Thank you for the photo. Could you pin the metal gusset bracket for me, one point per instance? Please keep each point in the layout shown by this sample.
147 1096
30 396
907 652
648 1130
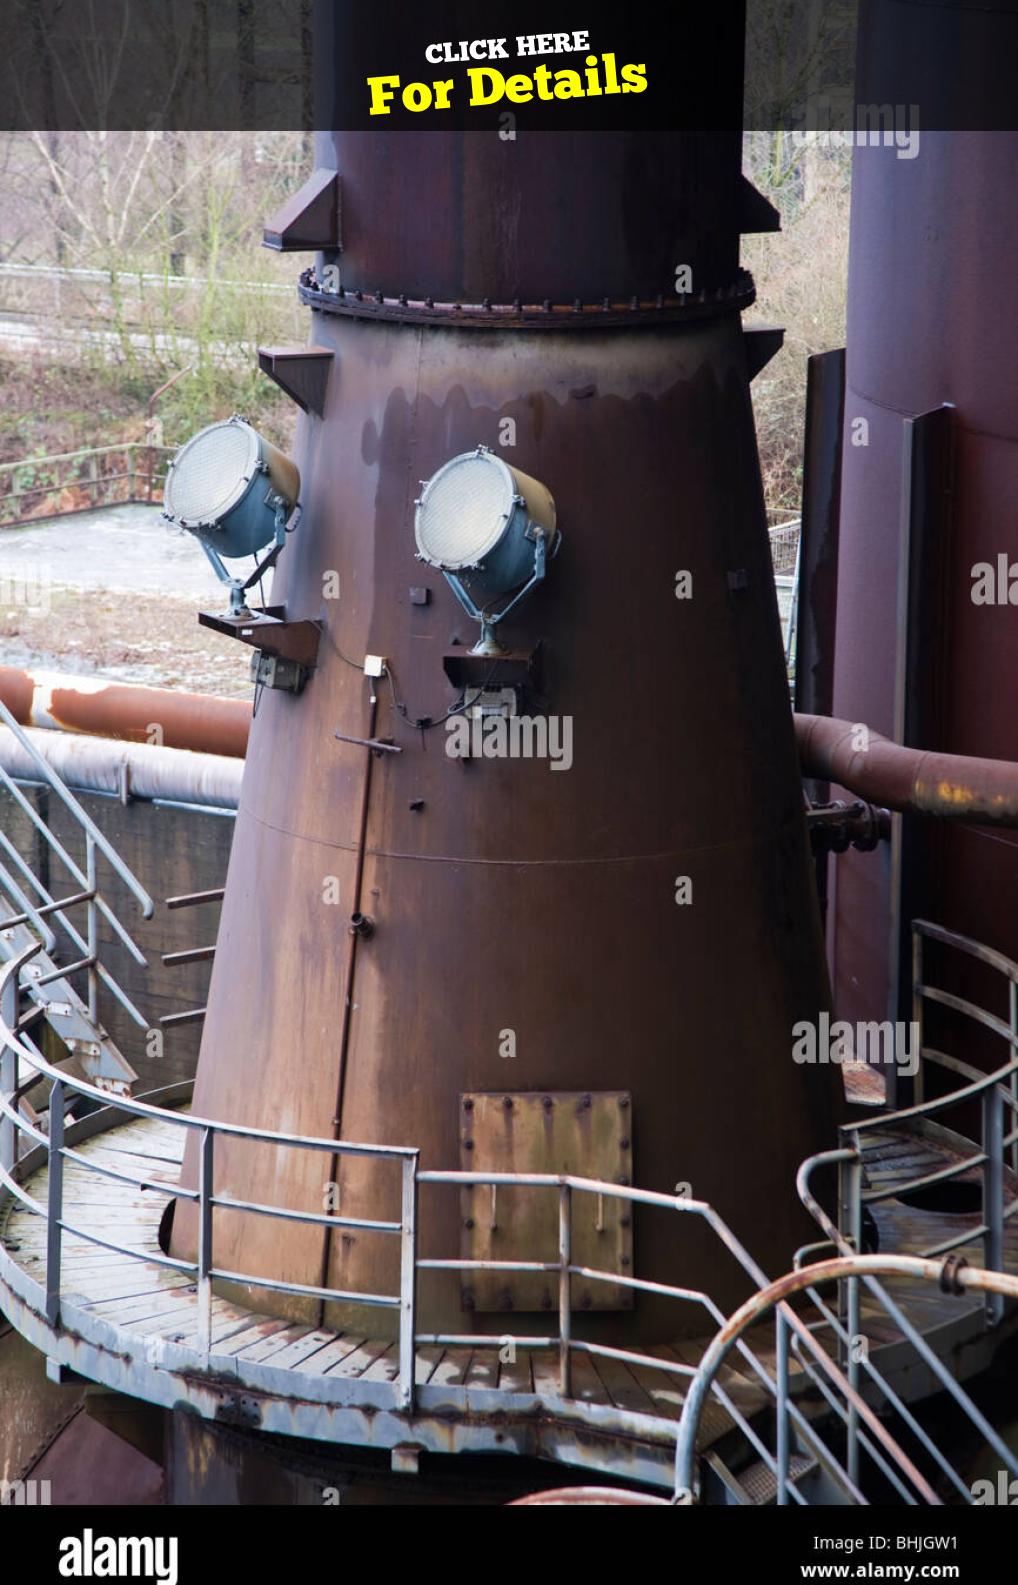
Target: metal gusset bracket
238 587
489 620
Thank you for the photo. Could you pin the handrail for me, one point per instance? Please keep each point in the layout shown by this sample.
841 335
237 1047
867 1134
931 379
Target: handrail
974 949
143 471
205 1270
126 1103
925 929
43 910
986 1154
865 1427
83 818
950 1269
774 1296
85 451
941 1103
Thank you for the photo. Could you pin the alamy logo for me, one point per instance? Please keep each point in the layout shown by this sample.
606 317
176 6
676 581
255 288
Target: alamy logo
89 1556
876 1043
494 734
871 126
1003 1492
995 584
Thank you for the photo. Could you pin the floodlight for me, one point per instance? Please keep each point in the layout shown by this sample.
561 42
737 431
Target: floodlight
490 529
235 492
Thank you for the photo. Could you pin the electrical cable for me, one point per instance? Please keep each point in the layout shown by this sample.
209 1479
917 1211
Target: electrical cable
425 723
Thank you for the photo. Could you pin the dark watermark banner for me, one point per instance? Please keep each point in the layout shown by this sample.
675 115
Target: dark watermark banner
185 1546
837 66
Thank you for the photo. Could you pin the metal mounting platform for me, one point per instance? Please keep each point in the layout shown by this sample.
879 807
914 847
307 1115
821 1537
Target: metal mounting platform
268 630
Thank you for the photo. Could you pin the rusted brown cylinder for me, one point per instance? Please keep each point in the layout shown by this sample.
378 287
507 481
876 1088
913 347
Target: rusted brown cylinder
950 786
534 938
127 710
925 328
557 216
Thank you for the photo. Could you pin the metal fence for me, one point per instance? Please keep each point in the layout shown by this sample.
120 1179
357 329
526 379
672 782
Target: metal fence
784 538
785 542
81 481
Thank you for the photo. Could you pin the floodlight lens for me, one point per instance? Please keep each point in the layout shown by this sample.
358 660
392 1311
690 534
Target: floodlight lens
211 472
464 510
232 489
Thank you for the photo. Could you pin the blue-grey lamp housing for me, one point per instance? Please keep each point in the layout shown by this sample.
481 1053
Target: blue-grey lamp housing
235 492
490 529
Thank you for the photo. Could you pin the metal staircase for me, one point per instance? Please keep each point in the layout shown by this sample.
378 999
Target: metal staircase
940 1291
69 953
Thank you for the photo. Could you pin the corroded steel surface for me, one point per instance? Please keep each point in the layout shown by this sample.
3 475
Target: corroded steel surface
532 927
926 295
461 217
950 786
507 895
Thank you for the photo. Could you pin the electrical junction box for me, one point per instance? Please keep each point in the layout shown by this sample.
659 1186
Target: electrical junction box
272 671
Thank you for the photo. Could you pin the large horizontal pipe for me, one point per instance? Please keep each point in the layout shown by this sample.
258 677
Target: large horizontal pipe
126 710
951 786
89 764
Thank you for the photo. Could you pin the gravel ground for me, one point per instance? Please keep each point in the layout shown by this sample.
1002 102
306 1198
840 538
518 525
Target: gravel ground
135 638
115 593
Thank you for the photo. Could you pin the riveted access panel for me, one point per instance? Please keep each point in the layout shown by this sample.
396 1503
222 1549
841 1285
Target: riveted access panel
585 1133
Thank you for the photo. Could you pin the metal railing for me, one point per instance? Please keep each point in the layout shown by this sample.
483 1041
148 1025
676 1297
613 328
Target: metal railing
994 1094
849 1385
121 475
924 930
204 1270
29 910
879 1442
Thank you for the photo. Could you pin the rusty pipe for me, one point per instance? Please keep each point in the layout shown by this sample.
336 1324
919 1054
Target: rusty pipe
916 781
101 708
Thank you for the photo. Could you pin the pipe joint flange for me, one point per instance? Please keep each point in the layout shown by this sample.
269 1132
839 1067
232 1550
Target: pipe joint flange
950 1272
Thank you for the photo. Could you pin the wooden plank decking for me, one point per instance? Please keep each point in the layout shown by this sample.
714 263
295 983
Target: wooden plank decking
152 1305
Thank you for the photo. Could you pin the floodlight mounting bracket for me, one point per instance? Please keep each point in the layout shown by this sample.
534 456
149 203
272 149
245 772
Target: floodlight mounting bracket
238 587
488 643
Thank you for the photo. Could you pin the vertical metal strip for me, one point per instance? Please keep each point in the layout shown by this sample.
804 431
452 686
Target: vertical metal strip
8 1073
783 1428
993 1194
927 468
55 1202
347 1010
205 1216
565 1320
408 1284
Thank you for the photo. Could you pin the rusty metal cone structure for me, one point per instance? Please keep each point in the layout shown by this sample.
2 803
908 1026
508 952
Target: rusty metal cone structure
540 991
